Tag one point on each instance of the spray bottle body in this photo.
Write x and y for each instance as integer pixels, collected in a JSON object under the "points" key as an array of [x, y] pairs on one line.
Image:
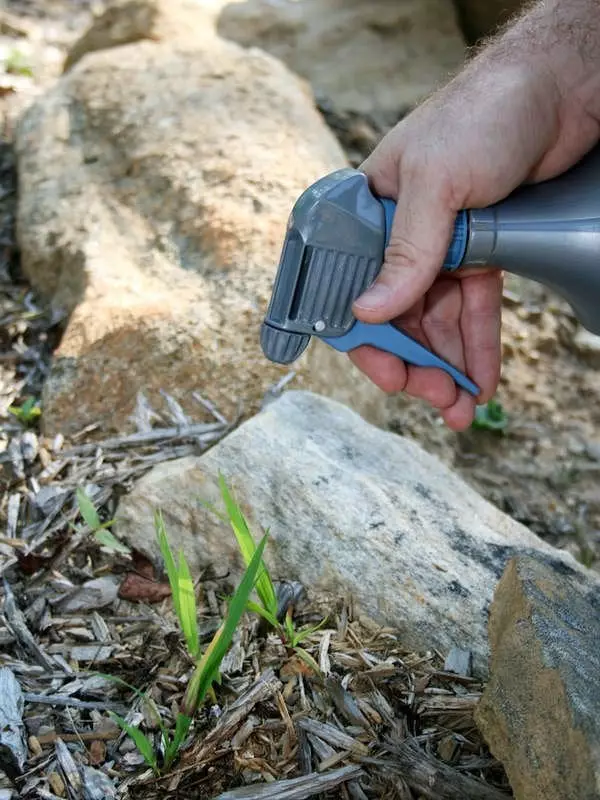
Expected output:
{"points": [[548, 232]]}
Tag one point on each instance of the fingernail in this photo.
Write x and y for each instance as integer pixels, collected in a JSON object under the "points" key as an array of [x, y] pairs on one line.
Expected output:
{"points": [[374, 297]]}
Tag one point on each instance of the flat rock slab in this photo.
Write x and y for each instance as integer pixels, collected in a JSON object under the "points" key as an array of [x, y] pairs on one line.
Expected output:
{"points": [[541, 710], [350, 509]]}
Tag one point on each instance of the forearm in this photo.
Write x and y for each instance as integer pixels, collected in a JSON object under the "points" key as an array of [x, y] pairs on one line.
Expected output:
{"points": [[564, 37]]}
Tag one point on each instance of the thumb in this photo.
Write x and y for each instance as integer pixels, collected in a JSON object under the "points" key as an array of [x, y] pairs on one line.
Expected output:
{"points": [[419, 239]]}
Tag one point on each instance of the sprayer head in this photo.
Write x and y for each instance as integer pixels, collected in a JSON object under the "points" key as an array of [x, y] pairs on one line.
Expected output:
{"points": [[333, 250]]}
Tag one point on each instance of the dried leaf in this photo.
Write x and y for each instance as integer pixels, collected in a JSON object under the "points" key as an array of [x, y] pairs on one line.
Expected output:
{"points": [[135, 587]]}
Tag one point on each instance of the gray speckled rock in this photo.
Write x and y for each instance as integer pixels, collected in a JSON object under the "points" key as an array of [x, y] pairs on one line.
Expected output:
{"points": [[541, 710], [350, 508]]}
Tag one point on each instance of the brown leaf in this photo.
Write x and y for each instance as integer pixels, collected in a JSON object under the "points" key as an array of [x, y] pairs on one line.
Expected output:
{"points": [[136, 587], [97, 752], [142, 565]]}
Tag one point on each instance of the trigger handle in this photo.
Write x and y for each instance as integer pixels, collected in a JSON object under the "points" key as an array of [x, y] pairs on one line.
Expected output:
{"points": [[387, 337], [460, 234]]}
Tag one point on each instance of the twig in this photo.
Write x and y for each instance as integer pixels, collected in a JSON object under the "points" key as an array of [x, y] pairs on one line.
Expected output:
{"points": [[433, 779], [148, 437], [65, 700], [295, 788]]}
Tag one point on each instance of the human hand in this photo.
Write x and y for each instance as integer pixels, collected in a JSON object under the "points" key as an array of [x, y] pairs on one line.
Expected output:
{"points": [[499, 123]]}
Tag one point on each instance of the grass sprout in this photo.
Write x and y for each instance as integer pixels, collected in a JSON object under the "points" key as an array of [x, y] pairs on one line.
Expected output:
{"points": [[182, 588], [207, 667], [26, 413], [268, 607], [490, 416], [100, 529]]}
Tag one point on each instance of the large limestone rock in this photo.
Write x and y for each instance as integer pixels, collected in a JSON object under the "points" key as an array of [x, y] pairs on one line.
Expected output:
{"points": [[350, 508], [155, 183], [376, 57], [127, 21], [540, 712]]}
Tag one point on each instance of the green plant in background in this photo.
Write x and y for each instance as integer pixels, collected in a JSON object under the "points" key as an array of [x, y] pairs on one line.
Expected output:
{"points": [[16, 63], [92, 520], [26, 413], [268, 607], [490, 416], [208, 664]]}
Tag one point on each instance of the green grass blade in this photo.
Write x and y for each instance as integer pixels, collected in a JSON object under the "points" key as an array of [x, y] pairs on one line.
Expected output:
{"points": [[303, 633], [109, 540], [168, 559], [262, 612], [264, 584], [182, 726], [143, 696], [87, 510], [308, 659], [211, 661], [142, 742], [187, 607]]}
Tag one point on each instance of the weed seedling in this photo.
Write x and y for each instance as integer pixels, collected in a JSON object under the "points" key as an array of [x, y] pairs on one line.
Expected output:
{"points": [[26, 413], [207, 664], [267, 607], [100, 529], [490, 416]]}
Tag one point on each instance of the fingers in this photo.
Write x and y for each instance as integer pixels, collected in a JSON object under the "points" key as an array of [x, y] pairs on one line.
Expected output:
{"points": [[480, 324], [419, 239], [460, 321]]}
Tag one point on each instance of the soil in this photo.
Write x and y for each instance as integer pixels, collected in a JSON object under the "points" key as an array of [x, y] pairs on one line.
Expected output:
{"points": [[544, 467]]}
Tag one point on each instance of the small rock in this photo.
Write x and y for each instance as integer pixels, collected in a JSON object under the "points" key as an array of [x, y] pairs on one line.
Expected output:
{"points": [[459, 662], [56, 784], [587, 346], [592, 449], [350, 509], [449, 748], [29, 447], [540, 712]]}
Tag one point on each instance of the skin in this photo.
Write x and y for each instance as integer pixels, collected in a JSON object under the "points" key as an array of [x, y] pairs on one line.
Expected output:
{"points": [[525, 108]]}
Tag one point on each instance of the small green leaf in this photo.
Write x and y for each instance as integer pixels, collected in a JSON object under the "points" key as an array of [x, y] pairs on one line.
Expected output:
{"points": [[26, 412], [142, 742], [308, 659], [303, 633], [87, 510], [182, 726], [257, 609], [264, 584], [490, 416], [109, 540]]}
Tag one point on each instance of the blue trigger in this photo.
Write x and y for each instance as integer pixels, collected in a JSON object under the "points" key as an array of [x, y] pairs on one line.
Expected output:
{"points": [[389, 338], [392, 340]]}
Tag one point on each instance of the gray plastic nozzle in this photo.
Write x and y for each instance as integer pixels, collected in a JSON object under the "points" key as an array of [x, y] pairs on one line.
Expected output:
{"points": [[548, 232]]}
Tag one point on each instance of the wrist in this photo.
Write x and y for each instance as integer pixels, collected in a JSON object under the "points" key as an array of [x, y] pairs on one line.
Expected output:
{"points": [[560, 38]]}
